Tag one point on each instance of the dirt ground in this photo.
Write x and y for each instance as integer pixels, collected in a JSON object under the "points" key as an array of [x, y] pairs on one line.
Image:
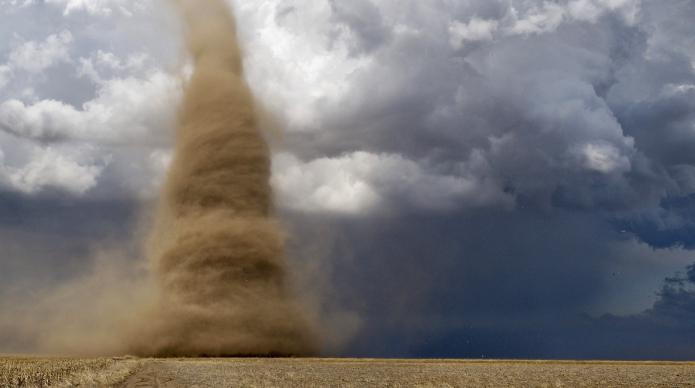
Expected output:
{"points": [[347, 373]]}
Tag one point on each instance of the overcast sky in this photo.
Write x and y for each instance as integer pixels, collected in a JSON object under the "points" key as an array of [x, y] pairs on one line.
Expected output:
{"points": [[478, 178]]}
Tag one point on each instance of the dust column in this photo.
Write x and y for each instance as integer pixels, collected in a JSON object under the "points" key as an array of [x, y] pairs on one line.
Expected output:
{"points": [[216, 251]]}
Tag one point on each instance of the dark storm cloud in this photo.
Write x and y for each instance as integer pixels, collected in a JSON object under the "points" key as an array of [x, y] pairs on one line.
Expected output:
{"points": [[673, 225], [363, 20], [587, 123], [485, 282], [664, 331], [451, 289], [588, 106]]}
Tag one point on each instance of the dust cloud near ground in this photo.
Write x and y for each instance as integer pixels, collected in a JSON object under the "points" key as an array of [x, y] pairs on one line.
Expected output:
{"points": [[86, 316]]}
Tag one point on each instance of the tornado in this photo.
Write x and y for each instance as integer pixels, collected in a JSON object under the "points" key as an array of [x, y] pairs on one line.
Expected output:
{"points": [[216, 250]]}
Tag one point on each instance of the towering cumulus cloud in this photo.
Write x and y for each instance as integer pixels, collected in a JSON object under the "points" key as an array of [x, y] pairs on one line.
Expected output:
{"points": [[217, 252]]}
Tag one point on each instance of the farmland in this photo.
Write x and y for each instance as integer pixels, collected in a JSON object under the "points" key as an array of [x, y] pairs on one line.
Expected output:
{"points": [[127, 372], [64, 372]]}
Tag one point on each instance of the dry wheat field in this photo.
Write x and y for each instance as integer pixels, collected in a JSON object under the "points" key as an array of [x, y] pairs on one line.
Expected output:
{"points": [[129, 372], [65, 372]]}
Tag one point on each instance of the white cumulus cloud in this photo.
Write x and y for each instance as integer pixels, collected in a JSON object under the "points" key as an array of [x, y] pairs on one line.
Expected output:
{"points": [[475, 30], [34, 57], [51, 168], [604, 158], [362, 182], [124, 111]]}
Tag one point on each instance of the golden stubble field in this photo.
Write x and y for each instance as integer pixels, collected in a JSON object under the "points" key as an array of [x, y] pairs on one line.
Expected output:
{"points": [[130, 372], [65, 372]]}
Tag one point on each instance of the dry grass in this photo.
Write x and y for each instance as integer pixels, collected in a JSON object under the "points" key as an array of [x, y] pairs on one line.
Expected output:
{"points": [[346, 373], [65, 372], [342, 373]]}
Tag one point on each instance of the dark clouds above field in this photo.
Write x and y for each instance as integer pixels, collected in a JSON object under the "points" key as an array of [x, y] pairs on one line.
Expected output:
{"points": [[464, 177]]}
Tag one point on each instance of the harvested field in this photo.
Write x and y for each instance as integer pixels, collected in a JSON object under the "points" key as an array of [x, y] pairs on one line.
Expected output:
{"points": [[342, 373], [65, 372]]}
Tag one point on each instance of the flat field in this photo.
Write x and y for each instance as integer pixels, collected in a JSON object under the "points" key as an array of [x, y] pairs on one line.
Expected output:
{"points": [[128, 372], [65, 372]]}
